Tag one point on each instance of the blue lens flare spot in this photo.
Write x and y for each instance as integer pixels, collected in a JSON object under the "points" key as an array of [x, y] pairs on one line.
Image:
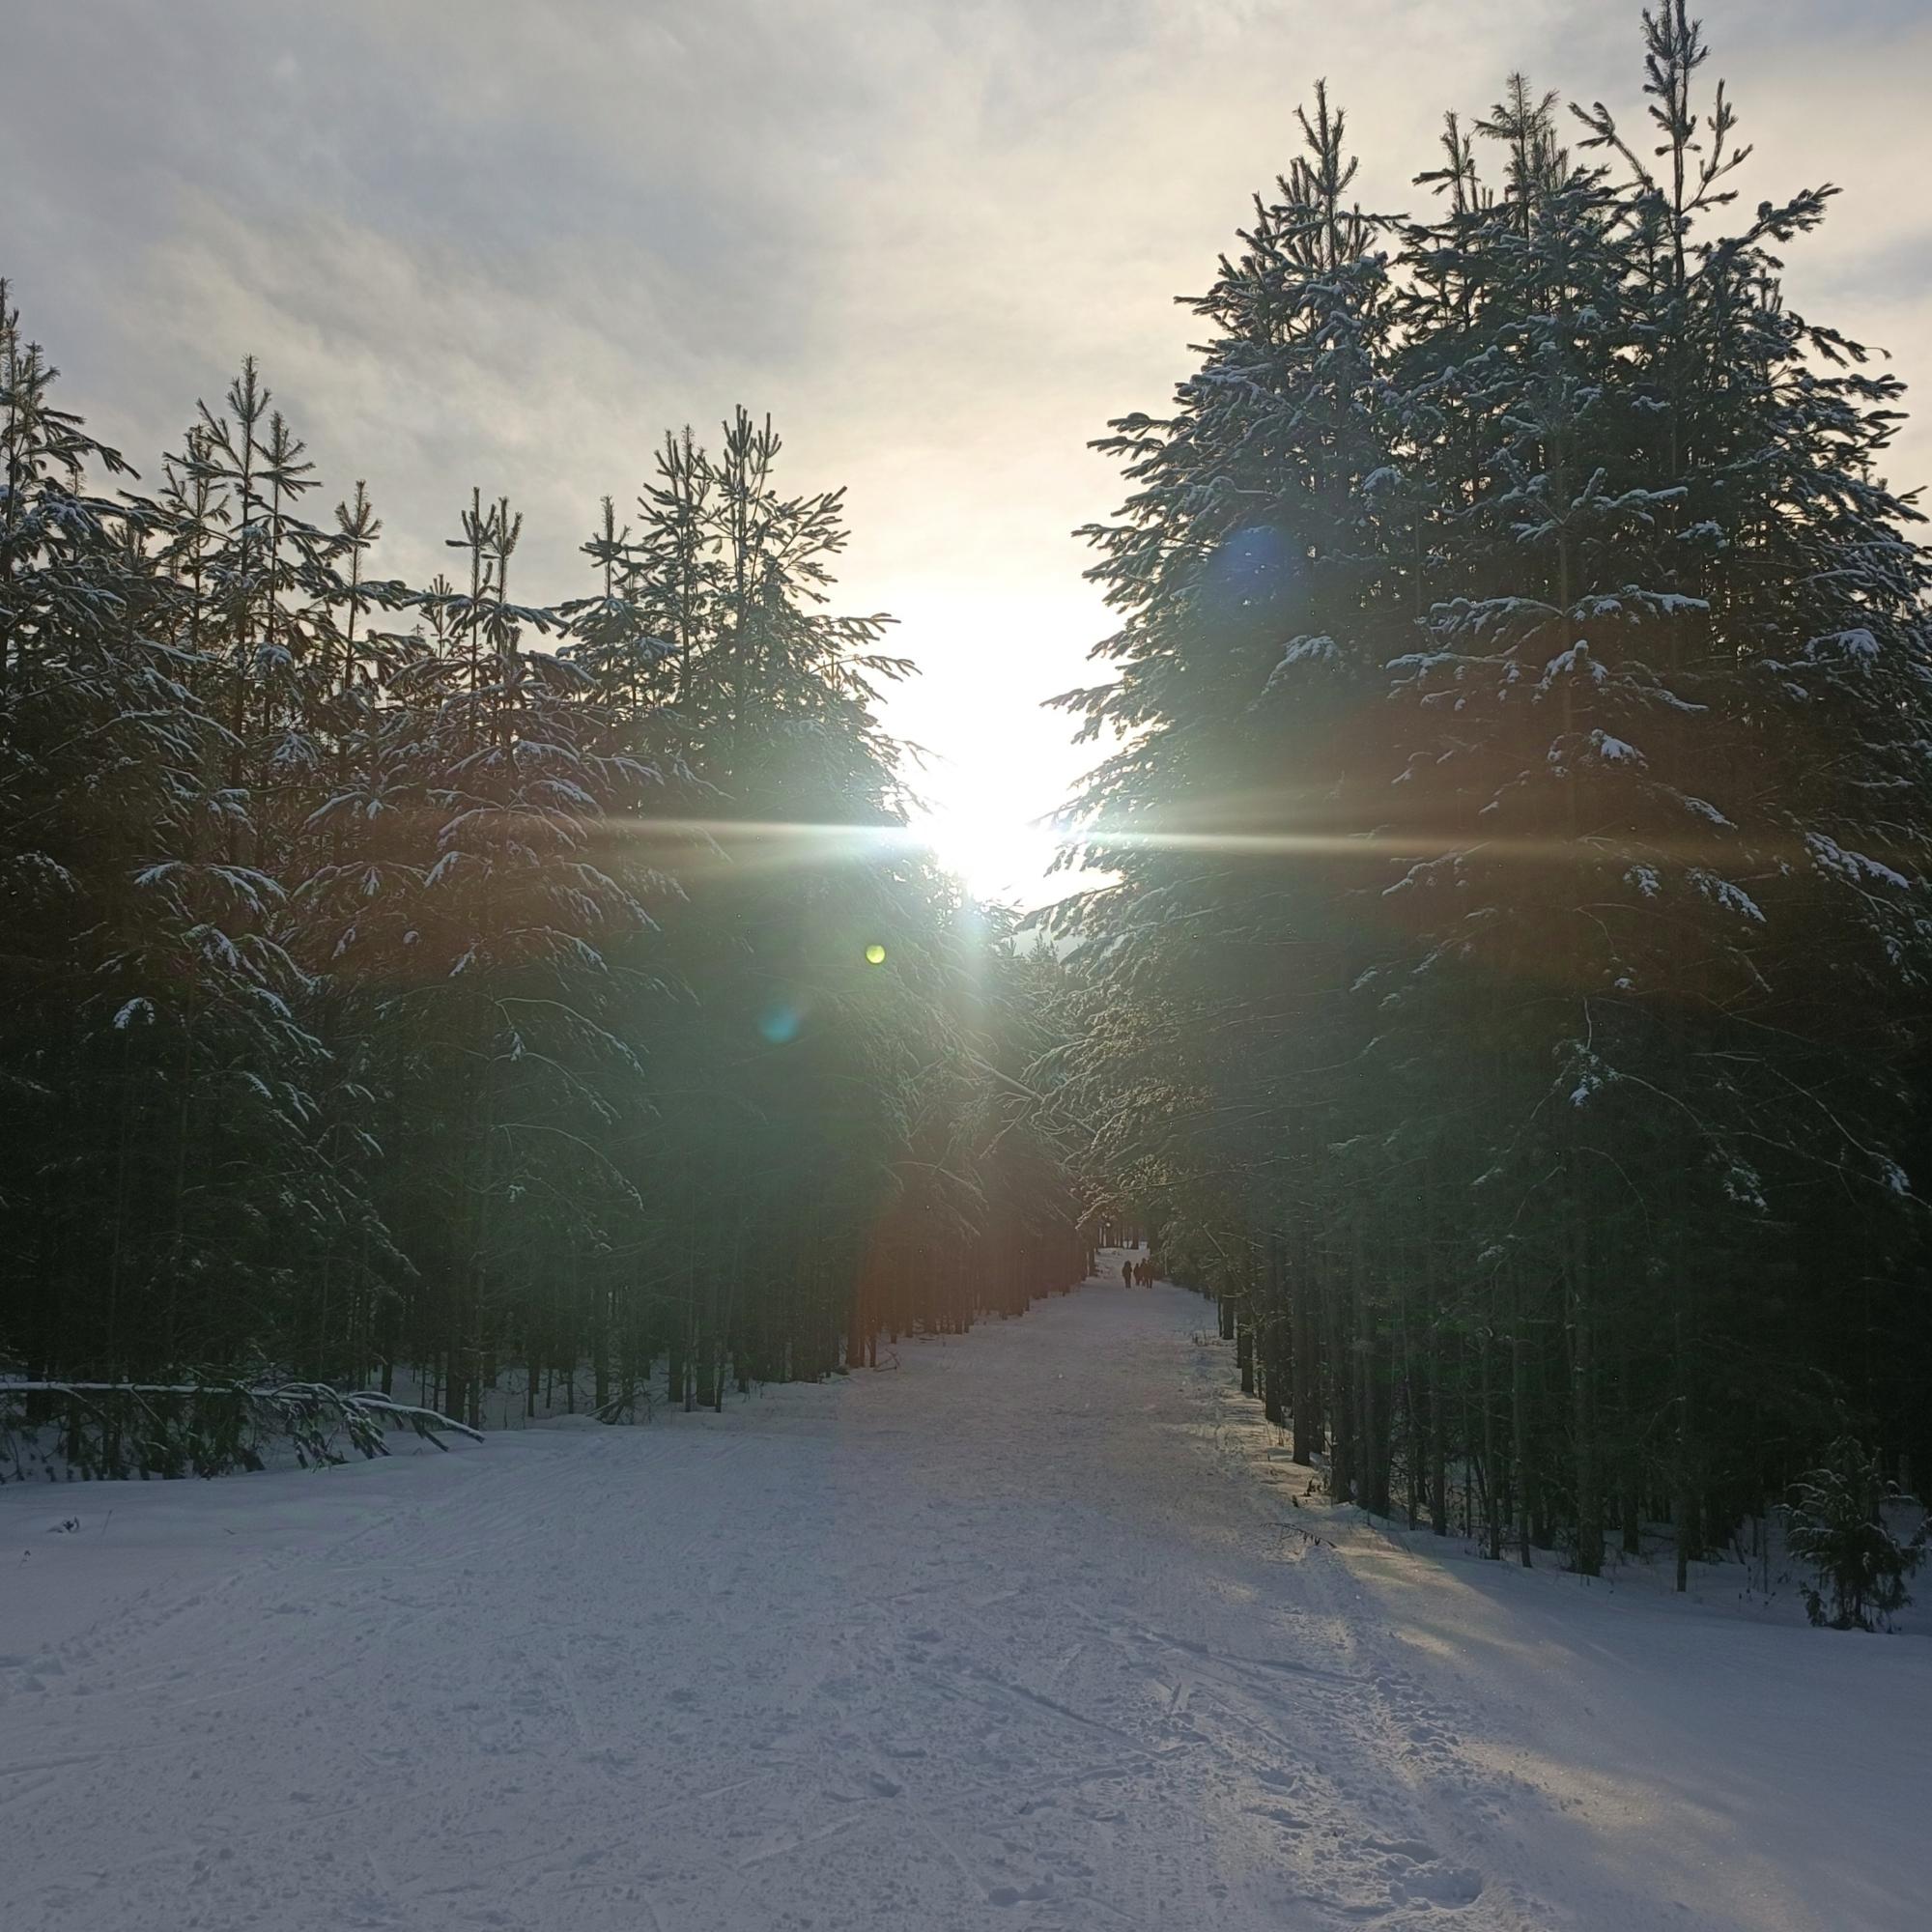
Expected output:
{"points": [[1253, 568], [778, 1023]]}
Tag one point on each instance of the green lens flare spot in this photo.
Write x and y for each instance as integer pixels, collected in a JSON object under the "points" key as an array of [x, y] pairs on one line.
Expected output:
{"points": [[875, 954]]}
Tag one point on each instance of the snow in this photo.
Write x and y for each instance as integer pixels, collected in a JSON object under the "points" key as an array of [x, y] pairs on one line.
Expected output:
{"points": [[1309, 650], [1033, 1630], [1703, 808], [1576, 662], [1725, 892], [1855, 866], [1857, 644], [1614, 750]]}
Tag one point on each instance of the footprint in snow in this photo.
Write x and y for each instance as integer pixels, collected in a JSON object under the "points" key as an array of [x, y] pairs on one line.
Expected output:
{"points": [[1276, 1814], [1447, 1887], [1412, 1851], [1418, 1879]]}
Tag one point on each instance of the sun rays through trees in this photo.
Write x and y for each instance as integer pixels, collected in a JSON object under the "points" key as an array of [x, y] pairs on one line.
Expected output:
{"points": [[412, 979]]}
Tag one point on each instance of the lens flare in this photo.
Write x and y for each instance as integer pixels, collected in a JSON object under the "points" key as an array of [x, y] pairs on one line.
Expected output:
{"points": [[875, 954], [778, 1023]]}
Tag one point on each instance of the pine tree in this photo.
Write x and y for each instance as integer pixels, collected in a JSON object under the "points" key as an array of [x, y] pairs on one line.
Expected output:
{"points": [[1834, 1522], [416, 983], [1512, 980]]}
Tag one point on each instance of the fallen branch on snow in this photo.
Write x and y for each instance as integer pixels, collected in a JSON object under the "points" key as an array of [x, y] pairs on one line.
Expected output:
{"points": [[115, 1430]]}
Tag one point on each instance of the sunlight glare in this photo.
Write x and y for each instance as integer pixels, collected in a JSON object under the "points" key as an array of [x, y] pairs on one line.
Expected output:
{"points": [[992, 850]]}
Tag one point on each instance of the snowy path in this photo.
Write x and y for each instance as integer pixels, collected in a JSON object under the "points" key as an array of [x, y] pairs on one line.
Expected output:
{"points": [[1010, 1639]]}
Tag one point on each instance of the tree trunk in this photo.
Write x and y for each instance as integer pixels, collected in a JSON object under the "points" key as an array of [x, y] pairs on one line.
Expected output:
{"points": [[1519, 1403], [1583, 1425], [1305, 1369], [1439, 1452]]}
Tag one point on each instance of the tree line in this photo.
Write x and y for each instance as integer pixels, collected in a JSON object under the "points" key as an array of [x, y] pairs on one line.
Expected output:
{"points": [[411, 980], [1511, 999]]}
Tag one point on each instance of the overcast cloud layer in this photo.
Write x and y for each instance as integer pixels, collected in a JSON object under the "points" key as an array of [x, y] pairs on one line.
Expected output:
{"points": [[509, 244]]}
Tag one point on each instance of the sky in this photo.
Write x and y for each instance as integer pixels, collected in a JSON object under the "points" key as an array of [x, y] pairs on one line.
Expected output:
{"points": [[938, 241]]}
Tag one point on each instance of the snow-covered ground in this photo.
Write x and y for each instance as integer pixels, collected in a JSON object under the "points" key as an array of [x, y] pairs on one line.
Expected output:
{"points": [[1025, 1633]]}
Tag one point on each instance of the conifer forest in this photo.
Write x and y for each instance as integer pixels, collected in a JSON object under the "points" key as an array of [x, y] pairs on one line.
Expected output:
{"points": [[403, 974], [1534, 1059], [1487, 966]]}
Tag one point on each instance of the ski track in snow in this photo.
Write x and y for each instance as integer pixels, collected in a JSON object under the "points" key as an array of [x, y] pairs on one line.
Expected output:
{"points": [[1013, 1637]]}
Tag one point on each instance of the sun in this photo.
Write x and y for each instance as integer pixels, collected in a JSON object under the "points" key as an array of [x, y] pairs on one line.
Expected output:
{"points": [[994, 853]]}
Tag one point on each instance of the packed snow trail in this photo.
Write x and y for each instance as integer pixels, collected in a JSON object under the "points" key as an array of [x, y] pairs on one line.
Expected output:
{"points": [[1014, 1637]]}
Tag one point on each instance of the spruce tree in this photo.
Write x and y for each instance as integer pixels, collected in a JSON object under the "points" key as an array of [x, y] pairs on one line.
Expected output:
{"points": [[1511, 987]]}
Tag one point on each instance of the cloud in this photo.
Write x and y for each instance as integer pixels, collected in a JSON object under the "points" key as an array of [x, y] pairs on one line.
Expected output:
{"points": [[510, 246]]}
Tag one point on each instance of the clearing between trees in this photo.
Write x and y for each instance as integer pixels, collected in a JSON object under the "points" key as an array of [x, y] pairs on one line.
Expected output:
{"points": [[1024, 1633]]}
